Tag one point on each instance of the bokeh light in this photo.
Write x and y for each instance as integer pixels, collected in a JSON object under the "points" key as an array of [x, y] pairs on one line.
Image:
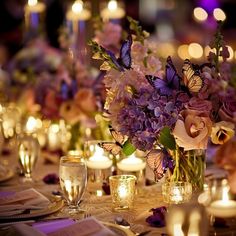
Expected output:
{"points": [[200, 14], [195, 50], [183, 52], [219, 14]]}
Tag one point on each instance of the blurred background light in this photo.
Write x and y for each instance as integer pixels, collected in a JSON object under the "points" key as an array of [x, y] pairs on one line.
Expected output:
{"points": [[195, 50], [200, 14], [183, 52], [219, 14]]}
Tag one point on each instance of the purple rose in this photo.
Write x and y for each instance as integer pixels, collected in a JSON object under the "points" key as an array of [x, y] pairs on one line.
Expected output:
{"points": [[199, 106], [227, 111]]}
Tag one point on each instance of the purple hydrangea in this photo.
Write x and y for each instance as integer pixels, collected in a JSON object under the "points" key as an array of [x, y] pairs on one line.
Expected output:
{"points": [[143, 117]]}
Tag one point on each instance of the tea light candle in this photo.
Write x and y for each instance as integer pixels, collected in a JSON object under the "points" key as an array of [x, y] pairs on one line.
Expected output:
{"points": [[98, 160], [53, 137], [122, 191], [76, 18], [176, 195], [32, 13], [112, 11], [224, 207], [131, 163]]}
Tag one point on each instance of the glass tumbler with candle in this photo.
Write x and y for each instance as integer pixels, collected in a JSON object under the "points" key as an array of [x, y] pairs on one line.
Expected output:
{"points": [[176, 192], [220, 201], [73, 181], [99, 166], [28, 153], [122, 191]]}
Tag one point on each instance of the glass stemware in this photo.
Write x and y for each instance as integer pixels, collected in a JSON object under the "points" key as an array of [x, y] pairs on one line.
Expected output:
{"points": [[73, 181], [28, 153]]}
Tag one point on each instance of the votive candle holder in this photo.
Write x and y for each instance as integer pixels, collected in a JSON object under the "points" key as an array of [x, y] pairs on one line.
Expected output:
{"points": [[122, 191]]}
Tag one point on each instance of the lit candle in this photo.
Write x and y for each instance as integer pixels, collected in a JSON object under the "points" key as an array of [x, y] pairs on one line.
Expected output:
{"points": [[132, 164], [53, 137], [32, 13], [112, 11], [176, 195], [98, 160], [224, 207], [76, 18]]}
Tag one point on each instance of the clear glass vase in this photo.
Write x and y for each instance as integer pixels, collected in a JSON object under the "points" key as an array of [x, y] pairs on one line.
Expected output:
{"points": [[189, 167]]}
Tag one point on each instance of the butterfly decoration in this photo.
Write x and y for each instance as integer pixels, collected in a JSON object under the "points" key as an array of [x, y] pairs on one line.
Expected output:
{"points": [[171, 81], [113, 147], [192, 79], [68, 91], [124, 60], [159, 161]]}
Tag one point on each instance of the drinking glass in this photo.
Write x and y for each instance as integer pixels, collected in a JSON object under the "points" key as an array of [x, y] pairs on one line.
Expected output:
{"points": [[73, 181], [28, 153]]}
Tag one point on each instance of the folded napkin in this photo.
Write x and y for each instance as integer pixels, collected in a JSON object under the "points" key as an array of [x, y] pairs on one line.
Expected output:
{"points": [[23, 230], [17, 203]]}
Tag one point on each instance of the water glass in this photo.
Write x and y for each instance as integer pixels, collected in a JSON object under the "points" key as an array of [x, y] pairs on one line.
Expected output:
{"points": [[122, 191], [28, 153], [73, 181]]}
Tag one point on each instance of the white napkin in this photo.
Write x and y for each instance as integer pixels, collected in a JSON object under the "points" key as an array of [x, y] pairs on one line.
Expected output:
{"points": [[18, 202]]}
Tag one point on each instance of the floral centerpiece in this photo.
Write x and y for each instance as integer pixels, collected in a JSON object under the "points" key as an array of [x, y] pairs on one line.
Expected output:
{"points": [[168, 114]]}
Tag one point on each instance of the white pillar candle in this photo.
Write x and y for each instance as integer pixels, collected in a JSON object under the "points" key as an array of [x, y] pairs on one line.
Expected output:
{"points": [[113, 11], [224, 207], [33, 9], [131, 163], [53, 137], [98, 160], [76, 18]]}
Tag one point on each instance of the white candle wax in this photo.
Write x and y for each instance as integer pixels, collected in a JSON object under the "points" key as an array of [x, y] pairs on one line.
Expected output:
{"points": [[112, 11], [223, 208], [53, 137], [77, 12], [131, 163], [98, 160]]}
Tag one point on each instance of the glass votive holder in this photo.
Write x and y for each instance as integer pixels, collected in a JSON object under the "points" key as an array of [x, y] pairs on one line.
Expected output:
{"points": [[122, 191], [176, 192], [220, 202]]}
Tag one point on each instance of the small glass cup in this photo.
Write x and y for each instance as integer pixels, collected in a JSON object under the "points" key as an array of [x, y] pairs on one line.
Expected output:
{"points": [[122, 191], [28, 153], [176, 192]]}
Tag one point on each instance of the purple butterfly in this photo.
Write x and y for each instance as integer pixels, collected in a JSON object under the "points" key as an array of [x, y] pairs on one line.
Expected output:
{"points": [[171, 81], [124, 60], [68, 91]]}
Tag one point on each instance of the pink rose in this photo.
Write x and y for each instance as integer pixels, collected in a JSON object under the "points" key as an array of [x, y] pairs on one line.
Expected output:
{"points": [[86, 100], [226, 158], [71, 112], [199, 106], [192, 132]]}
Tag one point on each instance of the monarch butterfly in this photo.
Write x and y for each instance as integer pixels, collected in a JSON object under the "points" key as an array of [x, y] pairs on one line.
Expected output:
{"points": [[171, 81], [113, 147], [159, 161], [192, 78], [124, 60]]}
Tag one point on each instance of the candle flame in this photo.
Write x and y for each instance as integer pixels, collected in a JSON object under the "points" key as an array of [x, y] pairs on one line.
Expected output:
{"points": [[122, 191], [112, 5], [32, 2], [77, 7]]}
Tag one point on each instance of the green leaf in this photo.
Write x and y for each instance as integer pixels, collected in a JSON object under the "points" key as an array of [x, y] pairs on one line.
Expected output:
{"points": [[167, 139], [128, 148]]}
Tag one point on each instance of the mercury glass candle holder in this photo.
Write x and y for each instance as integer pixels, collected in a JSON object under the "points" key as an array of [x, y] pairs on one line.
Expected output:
{"points": [[122, 191], [176, 192]]}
